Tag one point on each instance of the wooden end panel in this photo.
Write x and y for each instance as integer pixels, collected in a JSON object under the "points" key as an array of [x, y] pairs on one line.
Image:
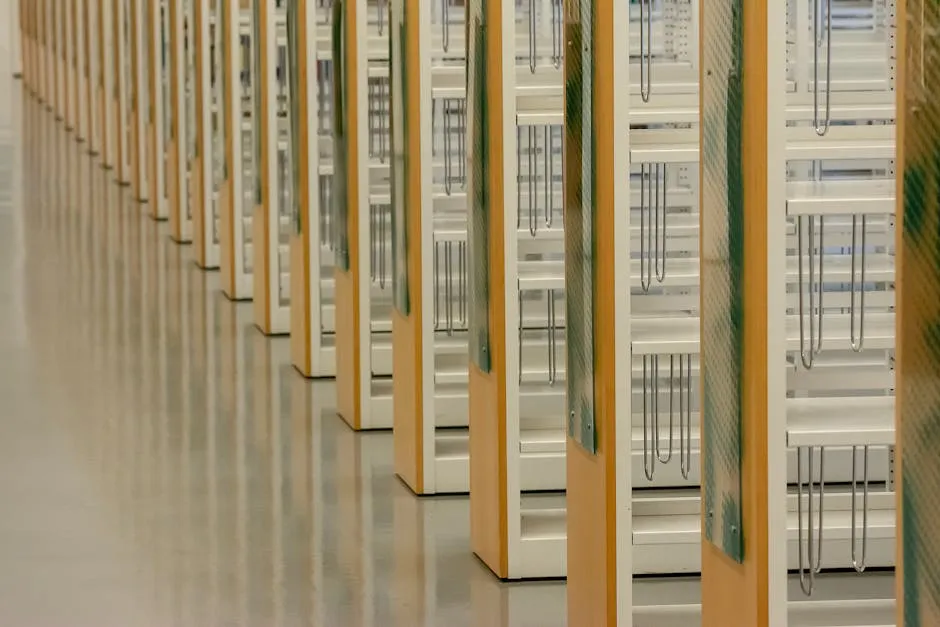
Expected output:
{"points": [[918, 298], [173, 191], [261, 301], [226, 238], [592, 479], [347, 344], [300, 302], [738, 593], [300, 252], [348, 366], [227, 203], [197, 179], [260, 227], [153, 155], [196, 209], [407, 336], [406, 398], [489, 525]]}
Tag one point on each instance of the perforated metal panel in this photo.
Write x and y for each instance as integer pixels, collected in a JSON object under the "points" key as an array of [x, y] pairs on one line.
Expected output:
{"points": [[722, 278], [478, 202], [919, 366], [401, 162], [580, 207]]}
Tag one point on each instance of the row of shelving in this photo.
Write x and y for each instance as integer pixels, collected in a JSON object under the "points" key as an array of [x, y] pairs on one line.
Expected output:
{"points": [[408, 188]]}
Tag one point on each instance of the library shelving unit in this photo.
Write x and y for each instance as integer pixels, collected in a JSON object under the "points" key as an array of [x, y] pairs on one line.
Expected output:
{"points": [[310, 180], [361, 212], [67, 17], [267, 252], [176, 108], [796, 204], [56, 61], [515, 233], [92, 65], [430, 259], [918, 357], [139, 85], [123, 85], [157, 132], [81, 70], [236, 193], [105, 49], [205, 173]]}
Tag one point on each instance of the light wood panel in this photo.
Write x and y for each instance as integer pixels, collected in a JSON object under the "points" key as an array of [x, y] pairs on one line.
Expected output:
{"points": [[408, 330], [197, 177], [102, 96], [301, 248], [918, 295], [176, 184], [348, 367], [154, 141], [260, 223], [117, 114], [489, 523], [136, 121], [592, 494], [737, 593]]}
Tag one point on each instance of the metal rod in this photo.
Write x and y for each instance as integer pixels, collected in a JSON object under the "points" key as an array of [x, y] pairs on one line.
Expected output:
{"points": [[664, 459], [857, 335], [808, 352], [533, 190], [445, 24], [649, 461], [685, 417], [823, 127], [646, 49], [552, 340], [809, 564], [533, 34], [858, 562]]}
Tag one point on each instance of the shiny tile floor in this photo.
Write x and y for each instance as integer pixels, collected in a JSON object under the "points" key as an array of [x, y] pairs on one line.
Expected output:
{"points": [[162, 464]]}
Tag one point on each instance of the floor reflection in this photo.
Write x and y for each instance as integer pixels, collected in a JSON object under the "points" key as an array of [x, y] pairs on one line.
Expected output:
{"points": [[167, 465]]}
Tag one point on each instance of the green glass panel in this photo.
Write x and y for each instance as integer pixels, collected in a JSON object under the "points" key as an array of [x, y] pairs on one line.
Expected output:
{"points": [[222, 49], [294, 113], [340, 138], [398, 52], [478, 202], [919, 318], [580, 209], [256, 81], [722, 274]]}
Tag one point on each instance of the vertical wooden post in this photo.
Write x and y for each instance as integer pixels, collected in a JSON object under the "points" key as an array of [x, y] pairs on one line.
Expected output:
{"points": [[742, 332], [918, 288], [599, 483], [349, 319]]}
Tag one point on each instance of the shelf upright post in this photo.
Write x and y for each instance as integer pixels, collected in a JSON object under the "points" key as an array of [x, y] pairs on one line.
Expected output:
{"points": [[598, 450], [119, 95], [81, 66], [350, 23], [45, 81], [310, 353], [156, 116], [89, 9], [25, 25], [236, 279], [176, 163], [202, 181], [55, 58], [412, 318], [492, 207], [105, 51], [68, 65], [918, 287], [271, 317], [744, 532], [140, 103]]}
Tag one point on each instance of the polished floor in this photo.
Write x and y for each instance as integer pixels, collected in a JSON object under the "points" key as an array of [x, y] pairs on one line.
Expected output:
{"points": [[162, 464]]}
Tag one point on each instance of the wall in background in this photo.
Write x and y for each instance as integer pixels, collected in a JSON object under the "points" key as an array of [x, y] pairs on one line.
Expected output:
{"points": [[10, 50]]}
